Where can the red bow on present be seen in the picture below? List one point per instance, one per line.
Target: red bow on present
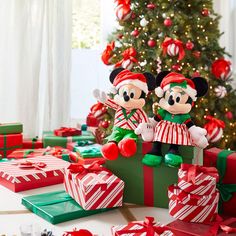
(30, 165)
(213, 123)
(193, 170)
(65, 132)
(176, 42)
(56, 151)
(107, 53)
(148, 227)
(128, 54)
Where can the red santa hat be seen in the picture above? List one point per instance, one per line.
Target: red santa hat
(127, 77)
(174, 79)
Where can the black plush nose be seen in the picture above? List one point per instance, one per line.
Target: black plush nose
(126, 98)
(171, 101)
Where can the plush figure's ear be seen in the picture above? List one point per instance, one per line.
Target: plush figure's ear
(151, 81)
(201, 86)
(114, 73)
(160, 77)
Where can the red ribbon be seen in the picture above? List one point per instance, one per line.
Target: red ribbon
(107, 53)
(128, 54)
(213, 123)
(178, 43)
(123, 2)
(30, 165)
(65, 132)
(148, 227)
(81, 232)
(193, 170)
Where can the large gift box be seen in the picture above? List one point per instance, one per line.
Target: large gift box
(9, 142)
(49, 139)
(148, 227)
(32, 143)
(11, 128)
(146, 185)
(225, 162)
(93, 186)
(56, 207)
(24, 174)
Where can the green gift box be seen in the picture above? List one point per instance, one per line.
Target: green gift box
(57, 207)
(149, 185)
(11, 128)
(49, 139)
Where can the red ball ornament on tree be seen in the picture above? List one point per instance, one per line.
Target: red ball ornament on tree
(229, 115)
(221, 69)
(151, 6)
(104, 109)
(120, 36)
(168, 22)
(151, 43)
(189, 45)
(205, 12)
(196, 54)
(176, 67)
(123, 12)
(135, 33)
(133, 15)
(105, 124)
(196, 74)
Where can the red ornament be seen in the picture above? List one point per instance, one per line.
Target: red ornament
(196, 74)
(196, 54)
(229, 115)
(105, 124)
(123, 12)
(176, 67)
(135, 33)
(189, 45)
(133, 15)
(168, 22)
(152, 43)
(120, 36)
(205, 12)
(151, 6)
(104, 109)
(221, 69)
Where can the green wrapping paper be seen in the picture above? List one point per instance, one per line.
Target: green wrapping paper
(146, 185)
(49, 139)
(57, 207)
(11, 128)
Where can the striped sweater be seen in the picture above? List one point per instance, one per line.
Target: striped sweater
(126, 119)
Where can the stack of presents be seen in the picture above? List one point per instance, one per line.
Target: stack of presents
(200, 194)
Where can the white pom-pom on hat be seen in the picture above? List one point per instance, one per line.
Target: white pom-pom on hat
(159, 92)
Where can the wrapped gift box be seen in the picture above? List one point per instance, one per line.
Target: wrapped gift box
(27, 153)
(197, 179)
(65, 132)
(191, 207)
(56, 207)
(32, 143)
(11, 128)
(49, 139)
(93, 186)
(225, 162)
(138, 228)
(20, 175)
(9, 143)
(146, 185)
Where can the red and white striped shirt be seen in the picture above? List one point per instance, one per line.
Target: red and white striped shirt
(127, 119)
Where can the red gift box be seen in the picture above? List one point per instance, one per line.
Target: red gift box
(9, 143)
(198, 180)
(191, 207)
(66, 132)
(20, 175)
(26, 153)
(141, 228)
(93, 186)
(32, 143)
(225, 162)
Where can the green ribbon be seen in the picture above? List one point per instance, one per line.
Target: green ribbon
(27, 152)
(226, 190)
(91, 152)
(182, 85)
(34, 140)
(130, 114)
(82, 143)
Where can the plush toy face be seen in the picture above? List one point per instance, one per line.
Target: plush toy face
(176, 101)
(129, 97)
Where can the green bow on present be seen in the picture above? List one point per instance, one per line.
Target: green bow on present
(91, 152)
(226, 190)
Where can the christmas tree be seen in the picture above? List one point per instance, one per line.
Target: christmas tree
(181, 36)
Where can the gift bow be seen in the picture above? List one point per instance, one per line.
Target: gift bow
(176, 42)
(148, 225)
(35, 139)
(93, 150)
(128, 54)
(30, 165)
(213, 123)
(66, 129)
(56, 151)
(107, 53)
(193, 170)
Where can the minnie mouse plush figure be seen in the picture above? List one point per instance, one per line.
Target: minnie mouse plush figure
(130, 120)
(173, 124)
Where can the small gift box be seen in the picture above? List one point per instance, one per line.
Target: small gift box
(65, 132)
(32, 143)
(11, 128)
(27, 153)
(30, 173)
(198, 180)
(93, 186)
(144, 228)
(57, 207)
(192, 207)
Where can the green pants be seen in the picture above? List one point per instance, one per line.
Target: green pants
(118, 134)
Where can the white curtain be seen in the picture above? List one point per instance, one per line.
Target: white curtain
(35, 57)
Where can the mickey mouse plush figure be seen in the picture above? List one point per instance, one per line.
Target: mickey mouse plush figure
(130, 120)
(173, 124)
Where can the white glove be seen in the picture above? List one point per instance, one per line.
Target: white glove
(100, 95)
(146, 131)
(198, 136)
(153, 122)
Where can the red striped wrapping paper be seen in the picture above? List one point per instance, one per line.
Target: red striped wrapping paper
(95, 190)
(18, 179)
(190, 207)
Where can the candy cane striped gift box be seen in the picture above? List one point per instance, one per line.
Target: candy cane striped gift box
(30, 173)
(94, 189)
(197, 179)
(190, 207)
